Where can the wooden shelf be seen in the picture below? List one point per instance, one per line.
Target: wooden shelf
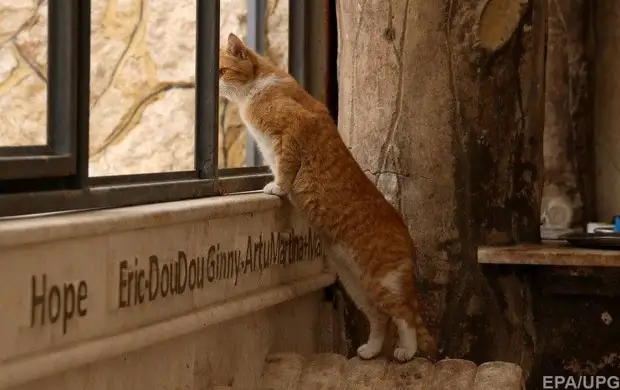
(555, 254)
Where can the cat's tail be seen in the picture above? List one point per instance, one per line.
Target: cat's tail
(426, 342)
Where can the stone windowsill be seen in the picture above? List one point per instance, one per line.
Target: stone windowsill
(60, 226)
(548, 253)
(85, 286)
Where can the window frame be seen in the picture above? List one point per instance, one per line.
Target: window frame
(56, 176)
(57, 158)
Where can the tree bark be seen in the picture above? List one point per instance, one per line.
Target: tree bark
(451, 133)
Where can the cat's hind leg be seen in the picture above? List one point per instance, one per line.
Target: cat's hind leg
(407, 340)
(378, 327)
(395, 295)
(412, 333)
(377, 319)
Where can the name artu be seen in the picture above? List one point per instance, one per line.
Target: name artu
(161, 278)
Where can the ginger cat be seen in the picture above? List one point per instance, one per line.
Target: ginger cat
(370, 245)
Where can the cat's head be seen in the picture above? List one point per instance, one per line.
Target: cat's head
(237, 69)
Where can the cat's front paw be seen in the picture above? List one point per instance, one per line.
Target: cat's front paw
(274, 189)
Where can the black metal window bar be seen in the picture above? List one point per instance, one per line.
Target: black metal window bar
(256, 41)
(54, 177)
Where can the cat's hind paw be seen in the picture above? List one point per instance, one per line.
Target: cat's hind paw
(366, 351)
(274, 189)
(403, 355)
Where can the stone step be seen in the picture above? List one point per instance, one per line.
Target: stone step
(413, 375)
(282, 371)
(330, 371)
(499, 375)
(323, 372)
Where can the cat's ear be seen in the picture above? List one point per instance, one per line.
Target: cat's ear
(236, 48)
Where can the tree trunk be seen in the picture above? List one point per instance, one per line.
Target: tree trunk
(441, 104)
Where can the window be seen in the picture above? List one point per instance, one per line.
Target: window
(39, 151)
(61, 166)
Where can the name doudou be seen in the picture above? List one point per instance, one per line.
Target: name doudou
(183, 274)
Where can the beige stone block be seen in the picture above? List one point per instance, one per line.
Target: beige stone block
(127, 152)
(232, 140)
(142, 80)
(14, 17)
(23, 104)
(31, 38)
(499, 375)
(8, 63)
(323, 372)
(364, 374)
(282, 371)
(115, 26)
(23, 58)
(171, 39)
(453, 374)
(233, 18)
(414, 375)
(277, 32)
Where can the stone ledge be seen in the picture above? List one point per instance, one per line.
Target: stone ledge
(38, 229)
(30, 368)
(96, 274)
(291, 371)
(548, 254)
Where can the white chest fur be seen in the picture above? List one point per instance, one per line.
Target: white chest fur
(264, 143)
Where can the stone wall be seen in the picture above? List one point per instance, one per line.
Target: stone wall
(142, 80)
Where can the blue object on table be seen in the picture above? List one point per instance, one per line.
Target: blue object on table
(616, 223)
